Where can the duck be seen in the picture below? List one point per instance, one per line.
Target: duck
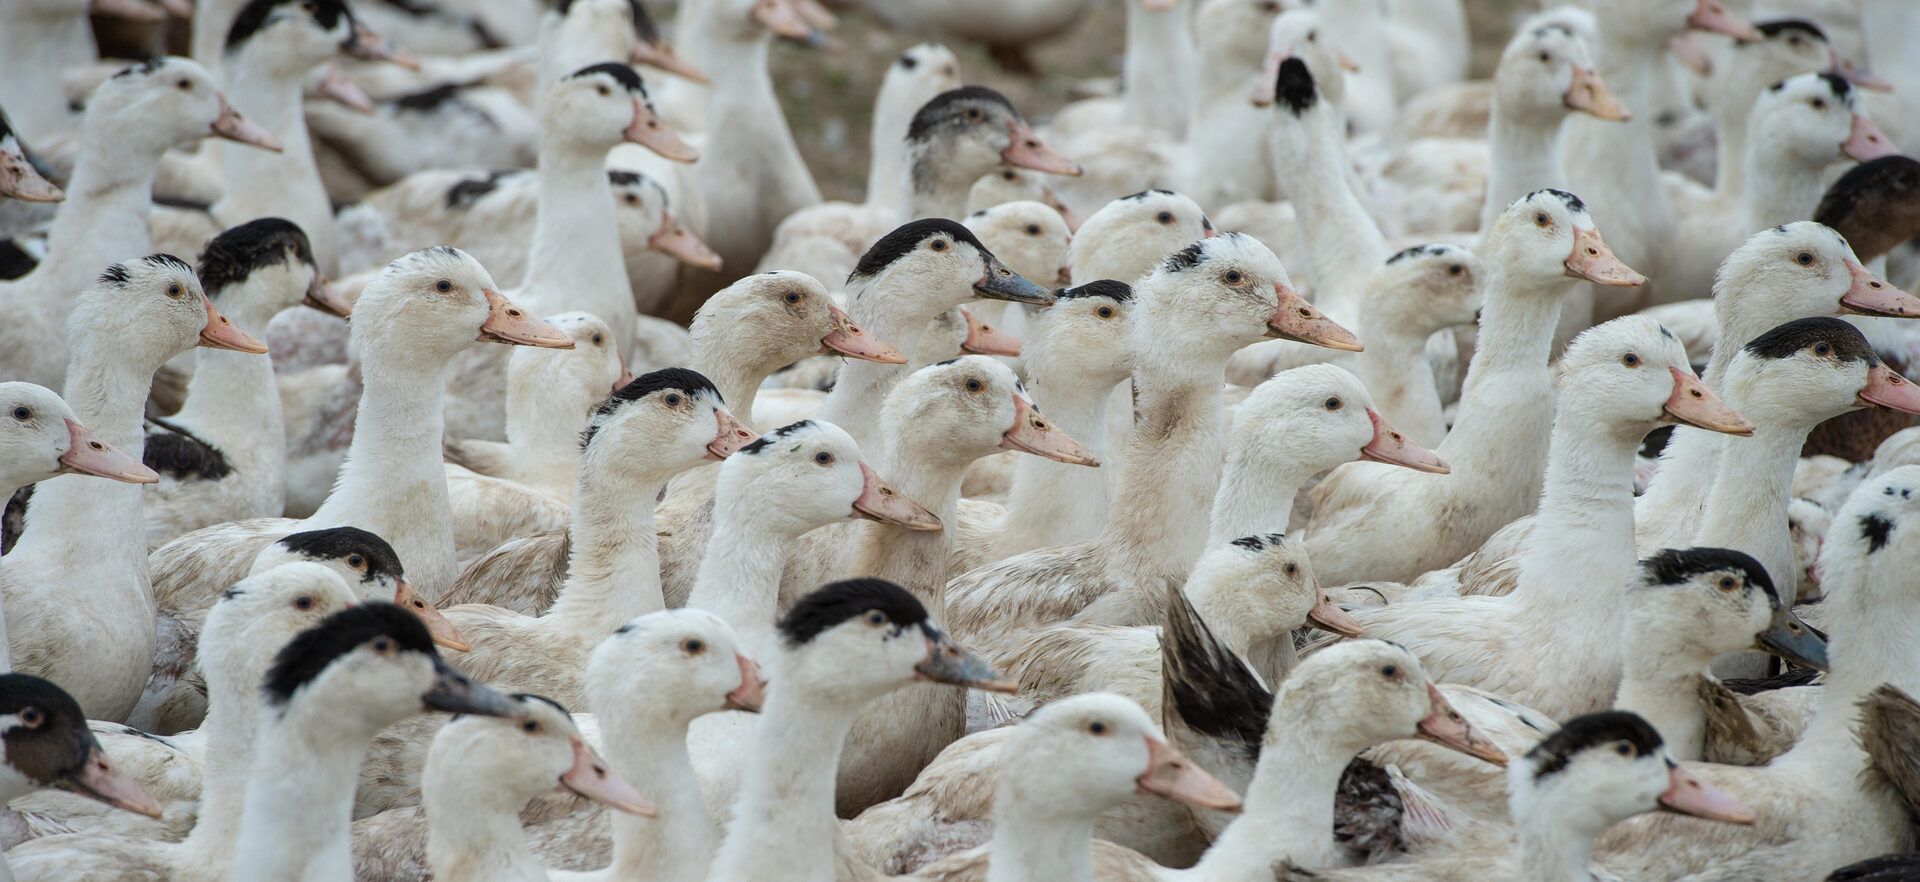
(223, 455)
(1545, 74)
(43, 439)
(573, 35)
(1419, 292)
(1542, 244)
(1810, 814)
(134, 318)
(422, 311)
(1203, 303)
(841, 646)
(921, 73)
(1597, 770)
(252, 620)
(482, 768)
(132, 119)
(18, 178)
(1128, 237)
(49, 38)
(1618, 381)
(50, 747)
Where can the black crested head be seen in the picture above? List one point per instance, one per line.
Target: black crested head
(141, 69)
(908, 236)
(1674, 566)
(1186, 258)
(760, 443)
(1116, 291)
(1571, 201)
(60, 745)
(233, 255)
(1877, 530)
(535, 696)
(946, 107)
(1838, 85)
(168, 261)
(255, 15)
(838, 602)
(310, 652)
(1143, 194)
(341, 543)
(466, 191)
(1589, 731)
(1787, 26)
(1205, 684)
(116, 275)
(1783, 341)
(1293, 86)
(1416, 251)
(1251, 543)
(687, 382)
(627, 77)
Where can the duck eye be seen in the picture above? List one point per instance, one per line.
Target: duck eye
(185, 85)
(356, 561)
(938, 244)
(1165, 217)
(974, 385)
(382, 645)
(1008, 175)
(1455, 269)
(1096, 728)
(1333, 403)
(603, 90)
(1105, 312)
(1033, 229)
(31, 717)
(23, 413)
(1390, 672)
(303, 603)
(1313, 36)
(876, 618)
(173, 291)
(823, 458)
(1822, 349)
(1819, 103)
(1233, 277)
(1544, 57)
(531, 727)
(443, 286)
(1727, 583)
(633, 199)
(1540, 219)
(793, 297)
(1804, 258)
(693, 646)
(672, 399)
(1623, 749)
(1630, 360)
(1293, 569)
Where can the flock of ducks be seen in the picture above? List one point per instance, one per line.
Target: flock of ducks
(1292, 479)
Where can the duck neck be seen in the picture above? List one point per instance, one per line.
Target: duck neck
(933, 187)
(1554, 848)
(1506, 403)
(1869, 642)
(1585, 521)
(267, 86)
(1054, 503)
(1172, 469)
(613, 565)
(37, 39)
(1158, 69)
(1289, 809)
(649, 750)
(231, 725)
(738, 378)
(1256, 493)
(1746, 509)
(1036, 841)
(1395, 370)
(1342, 243)
(473, 830)
(108, 201)
(576, 261)
(543, 425)
(1730, 130)
(783, 825)
(236, 389)
(1523, 155)
(1664, 687)
(861, 386)
(295, 824)
(929, 472)
(1784, 188)
(739, 578)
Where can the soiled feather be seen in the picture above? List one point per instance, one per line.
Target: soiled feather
(523, 575)
(1750, 730)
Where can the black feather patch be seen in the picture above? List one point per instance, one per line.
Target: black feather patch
(1207, 686)
(1118, 292)
(310, 652)
(6, 128)
(466, 192)
(429, 99)
(340, 543)
(1589, 731)
(760, 443)
(643, 26)
(908, 236)
(233, 255)
(947, 107)
(837, 602)
(1572, 202)
(627, 77)
(1874, 184)
(1876, 530)
(1417, 251)
(1186, 258)
(1143, 194)
(1293, 86)
(534, 696)
(1788, 679)
(622, 178)
(1885, 868)
(141, 69)
(14, 522)
(1838, 85)
(172, 450)
(254, 16)
(1675, 566)
(1787, 340)
(688, 382)
(116, 275)
(1779, 26)
(907, 61)
(15, 261)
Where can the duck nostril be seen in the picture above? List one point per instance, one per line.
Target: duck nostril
(1595, 252)
(96, 445)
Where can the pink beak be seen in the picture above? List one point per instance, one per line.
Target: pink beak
(337, 86)
(852, 341)
(1389, 446)
(1444, 726)
(752, 693)
(1026, 150)
(220, 333)
(104, 781)
(1712, 15)
(1693, 404)
(1689, 795)
(880, 502)
(732, 436)
(88, 455)
(648, 131)
(1888, 389)
(1865, 142)
(592, 778)
(507, 323)
(1172, 775)
(234, 127)
(1871, 295)
(1031, 433)
(985, 339)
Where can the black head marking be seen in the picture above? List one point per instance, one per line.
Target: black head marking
(1592, 730)
(116, 275)
(1782, 26)
(169, 261)
(1143, 194)
(942, 107)
(627, 77)
(624, 178)
(838, 602)
(1206, 685)
(311, 651)
(688, 382)
(1251, 543)
(1794, 336)
(429, 99)
(907, 61)
(760, 443)
(1877, 530)
(339, 543)
(1572, 202)
(1118, 292)
(467, 191)
(534, 696)
(141, 69)
(1186, 258)
(1838, 85)
(643, 26)
(1666, 333)
(1675, 566)
(1417, 251)
(1293, 86)
(255, 15)
(953, 360)
(60, 745)
(908, 236)
(233, 255)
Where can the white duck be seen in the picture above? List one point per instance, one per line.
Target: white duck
(1545, 73)
(42, 438)
(131, 120)
(74, 584)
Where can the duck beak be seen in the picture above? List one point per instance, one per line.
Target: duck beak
(1172, 775)
(879, 502)
(1712, 15)
(456, 693)
(1589, 93)
(752, 694)
(1688, 795)
(948, 663)
(1328, 616)
(1031, 433)
(1687, 47)
(648, 131)
(234, 127)
(1592, 260)
(129, 10)
(1393, 448)
(1871, 295)
(1789, 638)
(1864, 141)
(681, 244)
(852, 341)
(732, 435)
(369, 46)
(1857, 75)
(985, 339)
(321, 296)
(999, 283)
(782, 18)
(592, 778)
(20, 180)
(1052, 200)
(1693, 404)
(1263, 89)
(1296, 319)
(1444, 726)
(1026, 150)
(220, 333)
(88, 455)
(626, 374)
(509, 324)
(442, 631)
(100, 779)
(1889, 390)
(336, 86)
(660, 56)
